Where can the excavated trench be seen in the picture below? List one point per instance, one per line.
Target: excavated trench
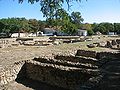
(87, 70)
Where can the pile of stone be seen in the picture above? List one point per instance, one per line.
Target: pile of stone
(91, 46)
(67, 39)
(114, 44)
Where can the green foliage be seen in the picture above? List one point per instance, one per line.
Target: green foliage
(69, 28)
(90, 32)
(57, 16)
(86, 26)
(65, 22)
(76, 17)
(104, 28)
(117, 27)
(12, 25)
(49, 7)
(2, 26)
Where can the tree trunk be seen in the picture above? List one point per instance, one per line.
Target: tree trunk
(19, 33)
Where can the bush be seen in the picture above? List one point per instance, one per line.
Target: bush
(90, 32)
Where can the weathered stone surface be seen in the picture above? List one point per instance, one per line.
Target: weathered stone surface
(102, 44)
(86, 53)
(114, 42)
(90, 45)
(108, 45)
(59, 75)
(83, 71)
(29, 43)
(10, 74)
(118, 41)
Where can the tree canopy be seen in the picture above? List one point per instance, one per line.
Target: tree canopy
(49, 8)
(12, 25)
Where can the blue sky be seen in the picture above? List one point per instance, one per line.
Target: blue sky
(92, 10)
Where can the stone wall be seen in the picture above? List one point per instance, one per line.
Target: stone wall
(113, 44)
(71, 78)
(98, 55)
(79, 60)
(110, 55)
(82, 71)
(10, 74)
(86, 53)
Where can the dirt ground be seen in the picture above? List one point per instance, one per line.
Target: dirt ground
(10, 55)
(13, 54)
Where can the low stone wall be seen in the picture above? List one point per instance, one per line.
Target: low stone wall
(86, 53)
(68, 74)
(98, 55)
(113, 44)
(82, 71)
(71, 78)
(79, 60)
(109, 55)
(10, 74)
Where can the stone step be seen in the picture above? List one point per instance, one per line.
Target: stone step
(67, 63)
(65, 68)
(78, 59)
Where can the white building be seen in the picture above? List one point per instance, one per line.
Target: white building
(112, 33)
(82, 32)
(15, 35)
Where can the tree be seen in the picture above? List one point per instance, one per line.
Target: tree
(86, 26)
(90, 32)
(14, 25)
(109, 27)
(2, 26)
(76, 17)
(101, 29)
(49, 7)
(104, 28)
(35, 25)
(117, 28)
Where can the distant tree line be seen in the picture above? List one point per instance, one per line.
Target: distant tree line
(64, 22)
(15, 25)
(103, 28)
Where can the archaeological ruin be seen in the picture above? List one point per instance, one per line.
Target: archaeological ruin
(86, 70)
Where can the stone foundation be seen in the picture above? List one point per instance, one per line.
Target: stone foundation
(10, 74)
(83, 71)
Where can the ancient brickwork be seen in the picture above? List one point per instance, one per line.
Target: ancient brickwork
(72, 78)
(84, 70)
(11, 73)
(98, 55)
(86, 53)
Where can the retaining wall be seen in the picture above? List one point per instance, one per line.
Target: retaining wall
(86, 53)
(98, 55)
(10, 74)
(63, 76)
(70, 72)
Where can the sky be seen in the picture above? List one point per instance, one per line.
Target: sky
(92, 11)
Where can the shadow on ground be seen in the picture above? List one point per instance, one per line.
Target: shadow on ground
(36, 85)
